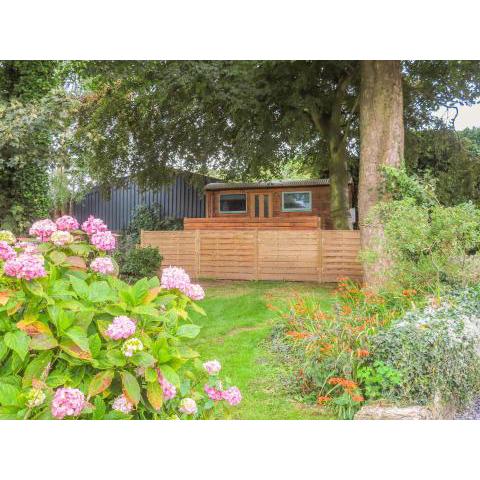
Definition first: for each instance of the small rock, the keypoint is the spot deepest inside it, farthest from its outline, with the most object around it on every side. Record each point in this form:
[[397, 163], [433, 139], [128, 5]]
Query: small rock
[[375, 412]]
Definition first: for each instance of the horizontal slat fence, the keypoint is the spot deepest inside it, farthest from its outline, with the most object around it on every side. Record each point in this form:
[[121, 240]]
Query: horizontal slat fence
[[256, 254]]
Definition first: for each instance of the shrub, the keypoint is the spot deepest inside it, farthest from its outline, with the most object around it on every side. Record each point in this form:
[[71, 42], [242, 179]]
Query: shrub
[[77, 342], [436, 349], [135, 263], [149, 217], [430, 246], [139, 262]]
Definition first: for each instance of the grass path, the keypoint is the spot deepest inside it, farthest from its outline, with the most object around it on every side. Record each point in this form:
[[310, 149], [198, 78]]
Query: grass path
[[235, 332]]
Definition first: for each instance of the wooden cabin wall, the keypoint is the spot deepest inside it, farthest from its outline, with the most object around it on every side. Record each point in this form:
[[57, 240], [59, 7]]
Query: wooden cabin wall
[[320, 202]]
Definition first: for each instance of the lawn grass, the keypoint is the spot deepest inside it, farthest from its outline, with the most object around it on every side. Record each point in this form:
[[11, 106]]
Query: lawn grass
[[236, 332]]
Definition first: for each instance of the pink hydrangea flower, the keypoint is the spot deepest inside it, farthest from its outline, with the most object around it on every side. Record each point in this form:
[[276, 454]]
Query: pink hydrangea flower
[[93, 225], [213, 392], [61, 238], [212, 367], [174, 277], [28, 247], [102, 265], [188, 406], [232, 395], [25, 266], [67, 223], [68, 402], [6, 251], [195, 292], [121, 404], [121, 327], [43, 229], [169, 390], [103, 240]]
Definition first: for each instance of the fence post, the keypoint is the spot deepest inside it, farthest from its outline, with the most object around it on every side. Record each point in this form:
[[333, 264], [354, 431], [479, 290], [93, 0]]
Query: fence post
[[256, 253], [320, 255], [197, 253]]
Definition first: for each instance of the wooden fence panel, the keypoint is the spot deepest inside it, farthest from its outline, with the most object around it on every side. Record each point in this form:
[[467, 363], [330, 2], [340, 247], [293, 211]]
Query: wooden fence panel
[[340, 249], [303, 255], [288, 255], [177, 248]]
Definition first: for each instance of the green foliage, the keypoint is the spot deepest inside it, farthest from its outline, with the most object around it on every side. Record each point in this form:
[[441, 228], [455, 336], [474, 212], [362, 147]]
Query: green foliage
[[53, 334], [138, 262], [436, 351], [135, 262], [429, 245], [32, 112], [149, 217], [451, 159], [378, 379]]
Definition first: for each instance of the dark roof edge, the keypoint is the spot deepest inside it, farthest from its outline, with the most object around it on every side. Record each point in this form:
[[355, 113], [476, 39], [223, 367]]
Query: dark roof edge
[[269, 184]]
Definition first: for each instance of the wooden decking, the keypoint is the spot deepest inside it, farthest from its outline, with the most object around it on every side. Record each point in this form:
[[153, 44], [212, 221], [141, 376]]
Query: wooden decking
[[247, 223]]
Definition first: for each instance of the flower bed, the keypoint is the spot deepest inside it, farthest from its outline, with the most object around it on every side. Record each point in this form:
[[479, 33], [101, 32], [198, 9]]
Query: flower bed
[[386, 347], [77, 342]]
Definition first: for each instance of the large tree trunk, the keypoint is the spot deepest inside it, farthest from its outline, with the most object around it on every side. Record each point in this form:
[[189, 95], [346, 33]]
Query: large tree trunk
[[339, 177], [381, 143]]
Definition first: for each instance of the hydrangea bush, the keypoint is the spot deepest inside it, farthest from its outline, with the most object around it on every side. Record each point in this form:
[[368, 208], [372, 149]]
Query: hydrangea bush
[[78, 342]]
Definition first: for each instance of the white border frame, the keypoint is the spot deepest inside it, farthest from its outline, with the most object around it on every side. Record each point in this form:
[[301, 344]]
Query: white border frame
[[297, 209], [232, 211]]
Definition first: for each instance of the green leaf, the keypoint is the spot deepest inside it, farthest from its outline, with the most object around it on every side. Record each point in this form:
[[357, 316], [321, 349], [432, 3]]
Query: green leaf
[[17, 341], [100, 382], [130, 387], [79, 336], [143, 359], [146, 310], [8, 394], [72, 349], [3, 349], [115, 310], [80, 286], [81, 249], [155, 395], [100, 292], [35, 288], [170, 374], [139, 290], [94, 344], [189, 330], [36, 368], [43, 341], [116, 358], [57, 257], [100, 408], [186, 352], [198, 309], [151, 375]]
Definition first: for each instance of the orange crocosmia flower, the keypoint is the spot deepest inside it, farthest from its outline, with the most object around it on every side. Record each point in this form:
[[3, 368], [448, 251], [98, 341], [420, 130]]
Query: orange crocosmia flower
[[335, 381], [322, 399], [346, 310], [361, 352], [357, 398]]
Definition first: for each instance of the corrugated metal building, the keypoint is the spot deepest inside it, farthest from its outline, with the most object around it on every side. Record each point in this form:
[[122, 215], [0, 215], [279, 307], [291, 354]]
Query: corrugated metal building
[[178, 200]]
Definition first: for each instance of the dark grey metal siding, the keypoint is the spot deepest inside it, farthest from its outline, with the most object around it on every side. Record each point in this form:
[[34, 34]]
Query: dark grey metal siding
[[178, 200]]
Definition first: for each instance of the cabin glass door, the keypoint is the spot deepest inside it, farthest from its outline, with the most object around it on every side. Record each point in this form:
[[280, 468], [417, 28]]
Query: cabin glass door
[[261, 205]]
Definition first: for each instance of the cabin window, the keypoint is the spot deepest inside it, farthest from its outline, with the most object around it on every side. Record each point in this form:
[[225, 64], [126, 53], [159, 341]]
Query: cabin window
[[296, 201], [233, 203]]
